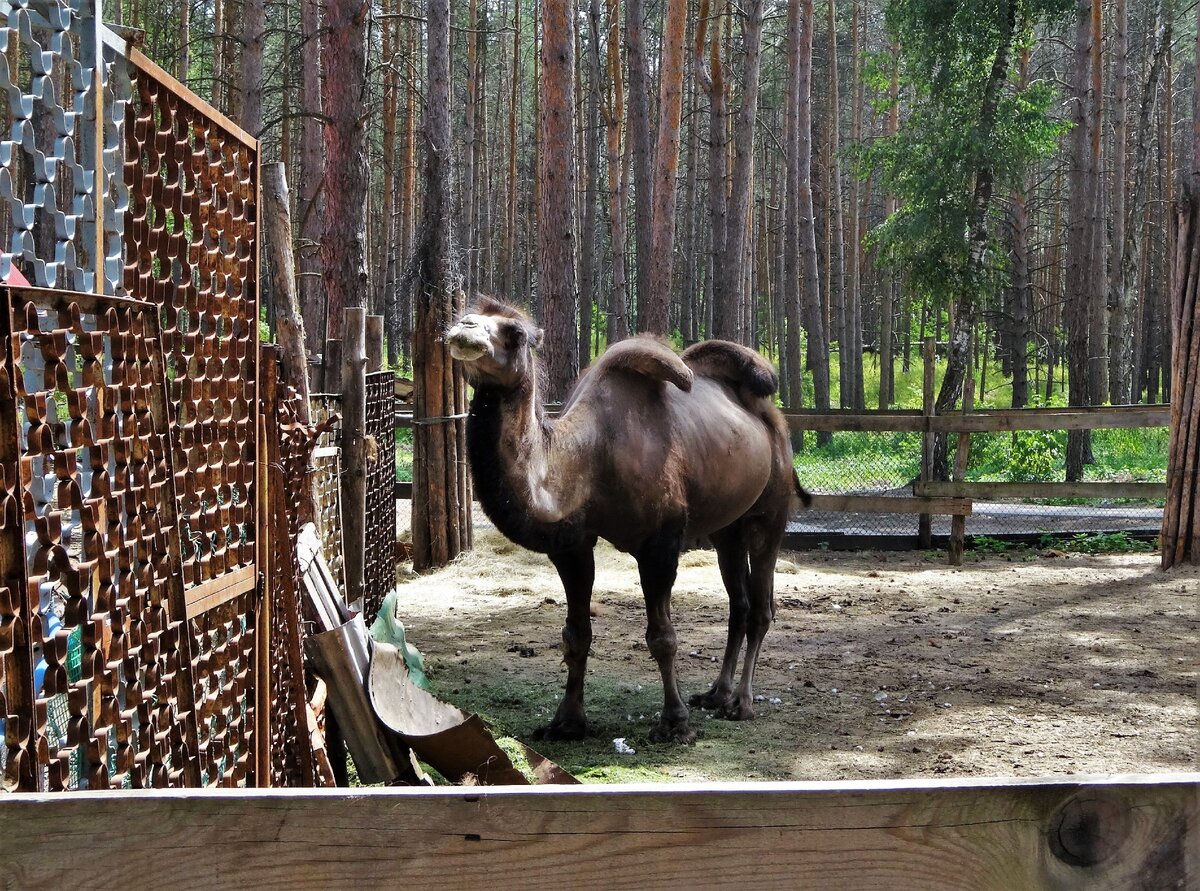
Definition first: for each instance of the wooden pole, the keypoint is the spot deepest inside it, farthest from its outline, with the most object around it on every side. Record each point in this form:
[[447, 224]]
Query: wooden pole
[[374, 333], [925, 521], [268, 421], [1181, 513], [958, 523], [289, 322], [354, 470]]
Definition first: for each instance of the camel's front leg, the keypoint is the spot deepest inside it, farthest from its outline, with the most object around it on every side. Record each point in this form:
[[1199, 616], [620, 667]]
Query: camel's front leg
[[577, 569], [658, 563]]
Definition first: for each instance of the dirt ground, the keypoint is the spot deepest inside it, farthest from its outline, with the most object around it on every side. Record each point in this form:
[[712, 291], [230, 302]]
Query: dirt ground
[[878, 665]]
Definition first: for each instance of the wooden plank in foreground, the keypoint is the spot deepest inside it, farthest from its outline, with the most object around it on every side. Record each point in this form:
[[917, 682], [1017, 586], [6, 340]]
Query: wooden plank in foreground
[[1106, 833]]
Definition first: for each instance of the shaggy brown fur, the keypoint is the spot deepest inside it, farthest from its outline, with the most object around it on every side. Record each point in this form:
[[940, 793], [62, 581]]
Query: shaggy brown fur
[[652, 449]]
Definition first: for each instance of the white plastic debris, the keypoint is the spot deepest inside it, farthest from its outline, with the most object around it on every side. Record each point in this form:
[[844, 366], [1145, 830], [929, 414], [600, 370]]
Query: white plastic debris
[[621, 747]]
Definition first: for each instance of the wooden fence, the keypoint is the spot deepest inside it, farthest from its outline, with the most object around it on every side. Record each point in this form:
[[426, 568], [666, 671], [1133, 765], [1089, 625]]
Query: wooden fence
[[956, 498], [135, 638], [1102, 834]]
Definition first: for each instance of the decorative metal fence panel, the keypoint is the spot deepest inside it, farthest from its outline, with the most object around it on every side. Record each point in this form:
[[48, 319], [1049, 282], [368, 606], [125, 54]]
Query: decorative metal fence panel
[[134, 649], [327, 479], [290, 472], [190, 234], [104, 610], [48, 160], [379, 568]]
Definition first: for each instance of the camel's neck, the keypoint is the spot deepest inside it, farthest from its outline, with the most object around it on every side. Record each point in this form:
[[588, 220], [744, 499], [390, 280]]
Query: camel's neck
[[520, 489]]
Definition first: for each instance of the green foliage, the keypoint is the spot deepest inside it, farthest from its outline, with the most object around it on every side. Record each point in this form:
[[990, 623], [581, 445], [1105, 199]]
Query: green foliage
[[985, 544], [404, 455], [1100, 543], [1136, 455], [859, 461], [946, 50], [1024, 456]]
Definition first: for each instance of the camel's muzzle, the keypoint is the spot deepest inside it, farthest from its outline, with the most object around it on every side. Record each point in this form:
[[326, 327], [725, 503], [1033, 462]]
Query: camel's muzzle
[[469, 341]]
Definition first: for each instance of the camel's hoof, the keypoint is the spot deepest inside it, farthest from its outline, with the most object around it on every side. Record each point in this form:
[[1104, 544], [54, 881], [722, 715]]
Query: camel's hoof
[[736, 710], [712, 700], [572, 729], [680, 734]]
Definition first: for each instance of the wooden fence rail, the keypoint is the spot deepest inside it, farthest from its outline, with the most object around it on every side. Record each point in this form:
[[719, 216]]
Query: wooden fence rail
[[979, 421], [991, 835], [955, 499]]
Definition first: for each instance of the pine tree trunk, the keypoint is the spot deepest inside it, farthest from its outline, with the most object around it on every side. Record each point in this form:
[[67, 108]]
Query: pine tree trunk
[[732, 270], [712, 80], [310, 182], [639, 145], [557, 232], [1119, 381], [441, 495], [654, 305], [818, 332], [887, 296], [1080, 240], [589, 295], [857, 223], [688, 306], [793, 300], [613, 110], [837, 250], [254, 24], [1097, 295], [1124, 294], [1020, 293], [343, 252]]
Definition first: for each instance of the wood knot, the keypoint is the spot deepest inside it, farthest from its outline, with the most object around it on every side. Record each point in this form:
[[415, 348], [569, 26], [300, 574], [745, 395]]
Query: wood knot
[[1089, 828]]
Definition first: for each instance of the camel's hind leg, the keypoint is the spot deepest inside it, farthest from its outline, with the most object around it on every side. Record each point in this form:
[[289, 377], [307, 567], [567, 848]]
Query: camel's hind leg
[[577, 569], [763, 548], [658, 563], [732, 558]]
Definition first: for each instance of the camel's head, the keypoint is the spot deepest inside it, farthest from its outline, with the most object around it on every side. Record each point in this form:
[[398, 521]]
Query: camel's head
[[494, 342]]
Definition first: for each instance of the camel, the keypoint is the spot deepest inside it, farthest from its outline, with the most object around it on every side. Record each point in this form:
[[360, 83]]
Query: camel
[[652, 449]]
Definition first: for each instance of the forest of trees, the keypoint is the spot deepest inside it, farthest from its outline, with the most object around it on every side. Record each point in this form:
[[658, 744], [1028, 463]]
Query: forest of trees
[[828, 183]]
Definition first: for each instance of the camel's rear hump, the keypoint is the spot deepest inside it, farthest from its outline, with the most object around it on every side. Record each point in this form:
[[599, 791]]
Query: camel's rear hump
[[731, 362]]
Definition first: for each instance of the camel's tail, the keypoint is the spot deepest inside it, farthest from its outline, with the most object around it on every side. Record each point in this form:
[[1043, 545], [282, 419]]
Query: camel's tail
[[802, 493]]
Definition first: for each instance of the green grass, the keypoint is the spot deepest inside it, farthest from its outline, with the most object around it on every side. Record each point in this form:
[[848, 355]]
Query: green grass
[[404, 455]]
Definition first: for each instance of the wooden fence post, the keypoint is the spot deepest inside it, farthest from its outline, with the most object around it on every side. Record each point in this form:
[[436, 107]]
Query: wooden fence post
[[374, 344], [290, 324], [925, 521], [962, 452], [354, 469], [1181, 513]]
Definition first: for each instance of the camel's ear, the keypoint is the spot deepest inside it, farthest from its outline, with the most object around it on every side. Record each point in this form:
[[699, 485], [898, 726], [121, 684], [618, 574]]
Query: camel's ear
[[536, 340]]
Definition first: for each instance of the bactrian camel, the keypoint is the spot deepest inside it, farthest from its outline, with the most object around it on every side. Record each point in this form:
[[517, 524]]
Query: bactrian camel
[[651, 450]]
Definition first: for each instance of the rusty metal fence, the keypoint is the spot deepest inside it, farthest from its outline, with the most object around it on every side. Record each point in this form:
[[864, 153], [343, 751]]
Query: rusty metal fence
[[137, 647], [379, 568]]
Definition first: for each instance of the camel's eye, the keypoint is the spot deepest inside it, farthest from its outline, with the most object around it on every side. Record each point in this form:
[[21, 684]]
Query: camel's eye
[[514, 337]]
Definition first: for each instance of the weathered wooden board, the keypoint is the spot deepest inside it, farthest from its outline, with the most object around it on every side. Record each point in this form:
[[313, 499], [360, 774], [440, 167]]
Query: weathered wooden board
[[981, 421], [887, 504], [1114, 833], [990, 491]]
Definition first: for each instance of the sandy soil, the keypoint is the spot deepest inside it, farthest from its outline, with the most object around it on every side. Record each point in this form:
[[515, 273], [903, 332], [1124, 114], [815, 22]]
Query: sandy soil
[[879, 665]]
